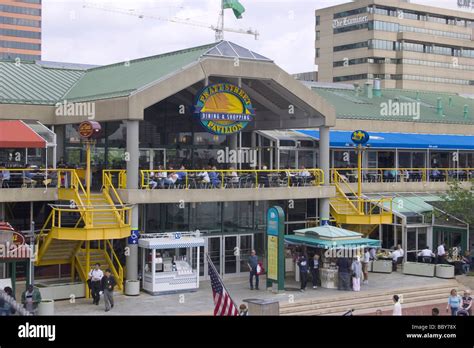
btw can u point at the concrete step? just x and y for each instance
(370, 301)
(375, 303)
(353, 295)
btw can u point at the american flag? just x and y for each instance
(224, 306)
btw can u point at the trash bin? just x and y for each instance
(46, 307)
(132, 287)
(263, 307)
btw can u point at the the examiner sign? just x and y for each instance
(345, 22)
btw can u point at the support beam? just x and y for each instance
(324, 211)
(264, 101)
(132, 183)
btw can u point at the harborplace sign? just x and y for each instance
(224, 108)
(345, 22)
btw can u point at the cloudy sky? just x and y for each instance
(72, 33)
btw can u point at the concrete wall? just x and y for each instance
(28, 195)
(226, 195)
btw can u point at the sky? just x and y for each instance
(75, 34)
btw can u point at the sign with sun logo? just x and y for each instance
(224, 108)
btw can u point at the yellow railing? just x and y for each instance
(108, 187)
(113, 261)
(58, 212)
(118, 177)
(191, 179)
(374, 175)
(38, 178)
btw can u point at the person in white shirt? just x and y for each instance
(441, 252)
(426, 254)
(399, 248)
(95, 276)
(397, 306)
(365, 266)
(395, 255)
(204, 175)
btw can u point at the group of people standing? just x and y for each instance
(309, 267)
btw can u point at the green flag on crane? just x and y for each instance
(235, 5)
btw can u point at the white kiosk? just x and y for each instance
(173, 270)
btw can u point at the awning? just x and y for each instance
(170, 243)
(408, 204)
(17, 134)
(400, 140)
(328, 244)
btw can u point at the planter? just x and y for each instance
(46, 307)
(62, 291)
(419, 269)
(382, 266)
(444, 271)
(132, 287)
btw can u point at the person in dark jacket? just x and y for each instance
(107, 284)
(314, 266)
(303, 265)
(344, 273)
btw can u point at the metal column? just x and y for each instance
(132, 183)
(324, 211)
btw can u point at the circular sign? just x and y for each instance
(360, 137)
(224, 108)
(89, 129)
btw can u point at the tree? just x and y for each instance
(459, 202)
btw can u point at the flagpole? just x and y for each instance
(209, 261)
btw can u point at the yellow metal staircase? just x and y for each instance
(71, 229)
(348, 208)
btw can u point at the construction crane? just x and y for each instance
(219, 29)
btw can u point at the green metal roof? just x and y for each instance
(37, 83)
(349, 105)
(31, 83)
(410, 204)
(327, 244)
(121, 79)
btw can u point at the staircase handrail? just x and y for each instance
(114, 260)
(337, 180)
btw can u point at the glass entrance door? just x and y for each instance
(214, 250)
(229, 254)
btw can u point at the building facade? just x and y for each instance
(147, 110)
(20, 29)
(405, 45)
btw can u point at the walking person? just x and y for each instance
(454, 302)
(365, 266)
(356, 274)
(107, 285)
(31, 298)
(314, 266)
(95, 276)
(253, 266)
(397, 306)
(303, 265)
